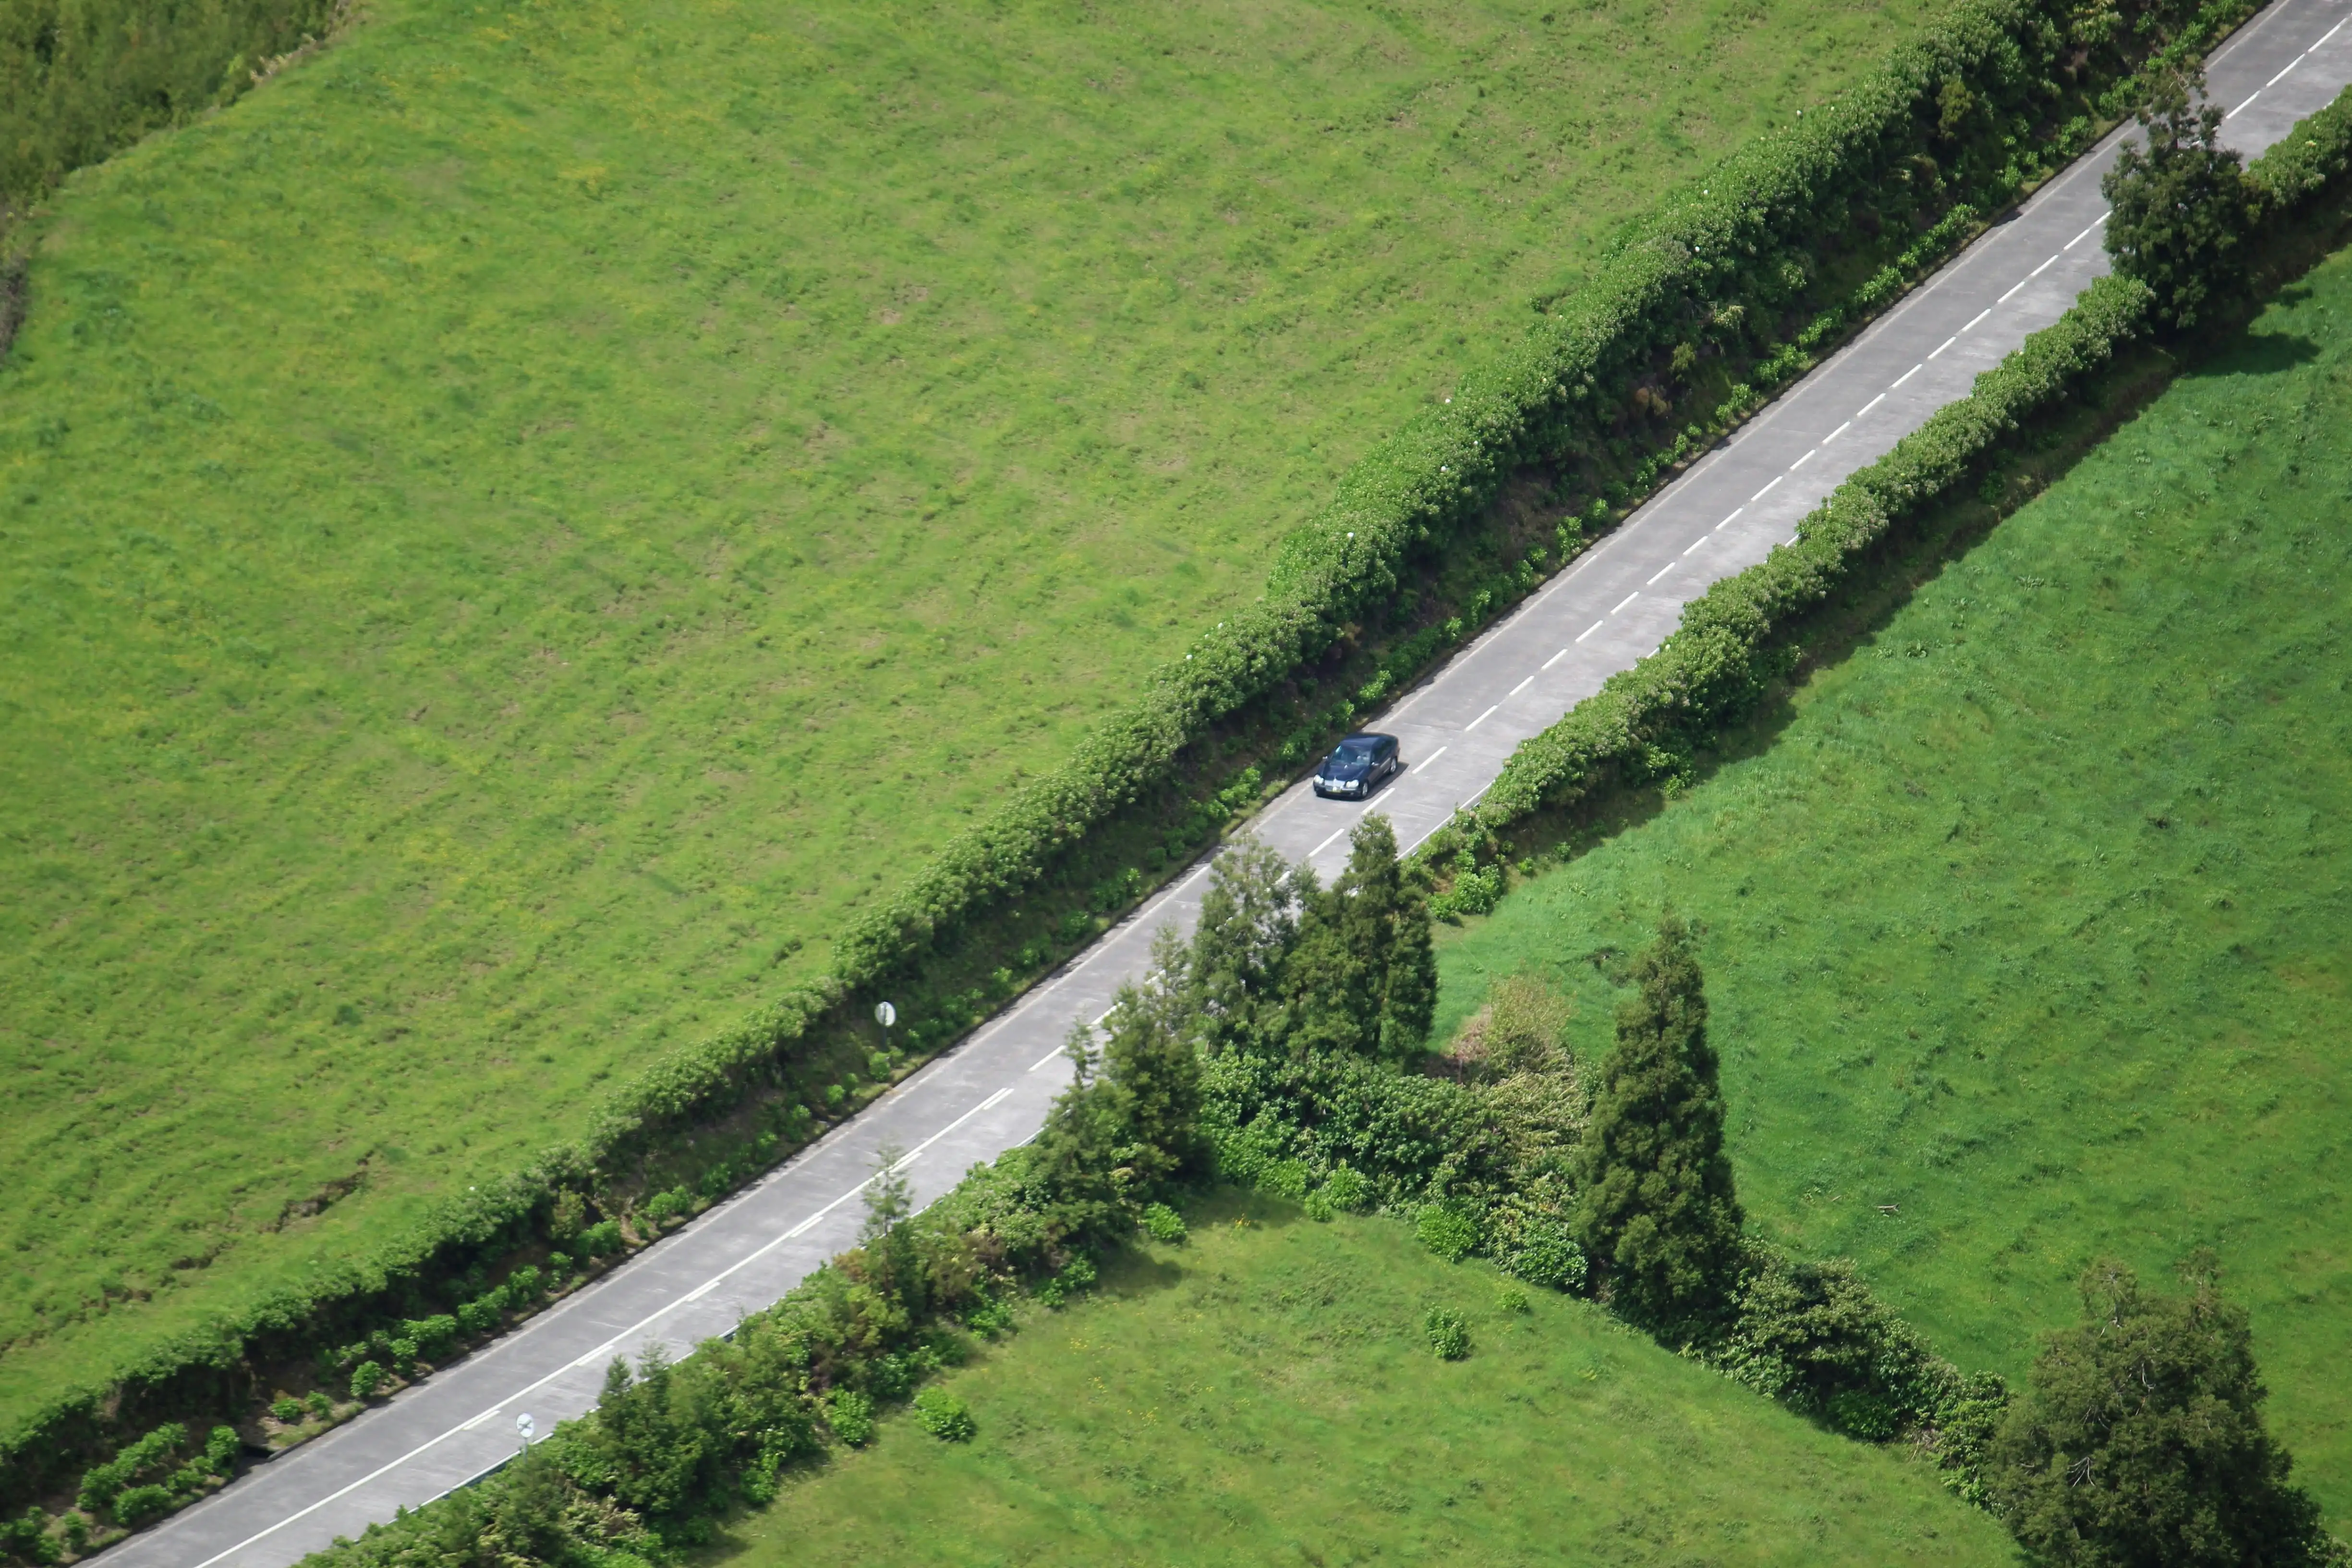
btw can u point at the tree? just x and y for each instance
(2141, 1443)
(891, 1259)
(1231, 974)
(1655, 1208)
(1362, 977)
(2181, 206)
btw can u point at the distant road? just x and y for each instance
(1611, 606)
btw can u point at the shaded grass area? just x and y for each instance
(1267, 1393)
(518, 528)
(2025, 920)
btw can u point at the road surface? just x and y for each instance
(1610, 607)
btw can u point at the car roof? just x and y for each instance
(1367, 737)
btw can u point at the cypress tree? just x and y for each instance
(1655, 1209)
(1363, 977)
(2141, 1443)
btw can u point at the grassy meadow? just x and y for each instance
(1266, 1393)
(2024, 924)
(512, 532)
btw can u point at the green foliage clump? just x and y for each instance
(944, 1416)
(850, 1415)
(1447, 1232)
(1448, 1332)
(2140, 1441)
(1654, 1203)
(366, 1378)
(1163, 1224)
(2181, 210)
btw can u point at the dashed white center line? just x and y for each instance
(2044, 267)
(2282, 70)
(1726, 521)
(2243, 107)
(1766, 490)
(1872, 404)
(2004, 298)
(1836, 433)
(1563, 653)
(1625, 601)
(1056, 1051)
(1662, 571)
(1522, 686)
(2086, 233)
(1588, 632)
(1434, 755)
(1325, 844)
(1908, 374)
(1981, 315)
(1480, 720)
(1947, 343)
(1696, 544)
(1807, 457)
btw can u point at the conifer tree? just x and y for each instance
(2141, 1444)
(1362, 977)
(1655, 1209)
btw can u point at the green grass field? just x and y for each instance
(1267, 1395)
(513, 531)
(2028, 920)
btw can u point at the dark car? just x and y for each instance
(1358, 764)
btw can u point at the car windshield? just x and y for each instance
(1353, 751)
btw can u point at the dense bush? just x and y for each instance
(80, 78)
(2179, 208)
(2141, 1443)
(1448, 1332)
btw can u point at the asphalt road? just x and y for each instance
(1604, 612)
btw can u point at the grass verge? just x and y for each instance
(1268, 1392)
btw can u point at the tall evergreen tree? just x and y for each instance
(1232, 973)
(1362, 977)
(1655, 1208)
(2181, 210)
(2141, 1443)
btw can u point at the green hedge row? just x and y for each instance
(1714, 267)
(1722, 655)
(80, 80)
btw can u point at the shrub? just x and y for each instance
(1545, 1254)
(1163, 1224)
(944, 1416)
(850, 1414)
(286, 1409)
(433, 1336)
(1347, 1191)
(525, 1285)
(27, 1538)
(319, 1403)
(404, 1356)
(1447, 1232)
(366, 1378)
(601, 1239)
(1511, 1299)
(558, 1268)
(1449, 1333)
(143, 1505)
(989, 1318)
(480, 1316)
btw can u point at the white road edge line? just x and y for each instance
(632, 1329)
(1581, 636)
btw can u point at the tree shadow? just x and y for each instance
(2259, 354)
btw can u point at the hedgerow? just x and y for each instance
(1897, 169)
